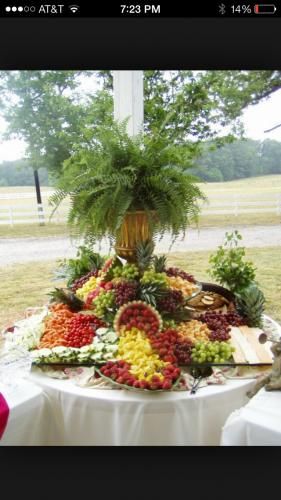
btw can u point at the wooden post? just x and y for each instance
(39, 199)
(128, 99)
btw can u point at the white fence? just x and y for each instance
(29, 214)
(237, 204)
(12, 213)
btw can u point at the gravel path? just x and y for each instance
(39, 249)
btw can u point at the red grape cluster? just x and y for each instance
(218, 325)
(164, 344)
(175, 271)
(81, 281)
(125, 291)
(183, 351)
(171, 302)
(234, 319)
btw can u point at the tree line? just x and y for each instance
(238, 160)
(19, 173)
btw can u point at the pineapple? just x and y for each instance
(144, 251)
(66, 296)
(250, 304)
(150, 293)
(160, 263)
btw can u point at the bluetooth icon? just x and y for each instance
(222, 9)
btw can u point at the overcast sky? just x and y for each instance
(256, 120)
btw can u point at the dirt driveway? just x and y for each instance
(40, 249)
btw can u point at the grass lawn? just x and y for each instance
(261, 185)
(27, 285)
(266, 219)
(24, 285)
(33, 230)
(227, 221)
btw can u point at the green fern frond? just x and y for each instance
(122, 173)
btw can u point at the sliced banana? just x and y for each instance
(207, 300)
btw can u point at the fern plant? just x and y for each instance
(71, 269)
(115, 173)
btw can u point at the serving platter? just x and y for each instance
(136, 389)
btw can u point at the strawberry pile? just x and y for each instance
(138, 314)
(119, 371)
(164, 344)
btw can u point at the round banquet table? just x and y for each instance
(106, 417)
(256, 424)
(31, 421)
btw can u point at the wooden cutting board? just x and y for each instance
(245, 340)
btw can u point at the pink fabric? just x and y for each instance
(4, 414)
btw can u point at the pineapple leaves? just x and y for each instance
(250, 304)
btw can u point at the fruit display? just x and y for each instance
(135, 322)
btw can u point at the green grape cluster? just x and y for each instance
(151, 277)
(104, 301)
(169, 323)
(211, 352)
(129, 271)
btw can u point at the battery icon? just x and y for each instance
(268, 8)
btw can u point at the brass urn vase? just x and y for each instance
(136, 228)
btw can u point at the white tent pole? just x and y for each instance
(128, 99)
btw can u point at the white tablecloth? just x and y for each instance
(31, 420)
(257, 424)
(119, 417)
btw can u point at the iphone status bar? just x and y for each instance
(141, 8)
